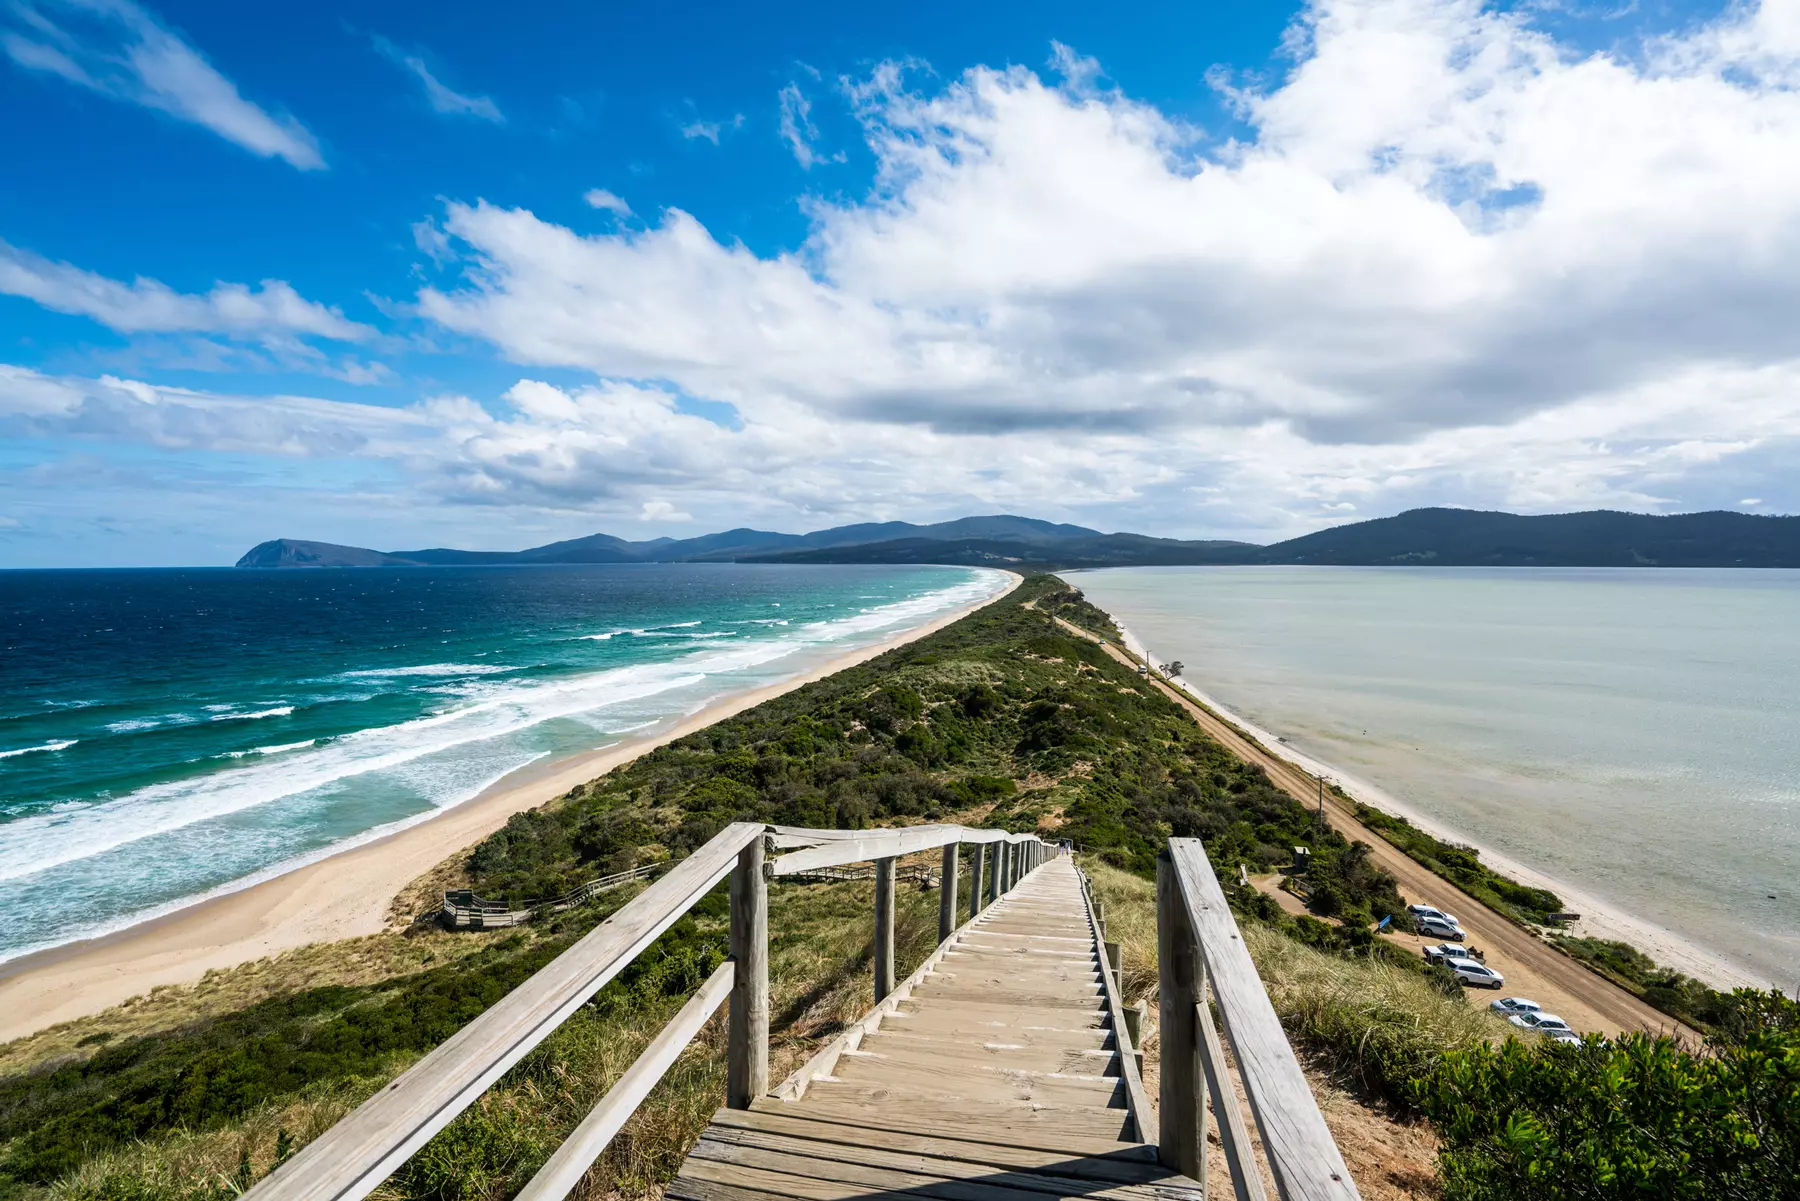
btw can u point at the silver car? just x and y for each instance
(1475, 975)
(1509, 1006)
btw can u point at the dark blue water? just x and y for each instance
(168, 733)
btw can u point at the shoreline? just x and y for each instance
(283, 912)
(1599, 919)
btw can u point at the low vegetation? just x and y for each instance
(1462, 866)
(1680, 996)
(1374, 1017)
(1639, 1116)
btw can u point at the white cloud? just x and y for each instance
(440, 96)
(662, 510)
(600, 198)
(147, 306)
(1444, 227)
(118, 49)
(711, 131)
(797, 129)
(1450, 261)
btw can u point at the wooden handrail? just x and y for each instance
(1200, 944)
(354, 1157)
(830, 848)
(462, 907)
(1136, 1099)
(570, 1162)
(351, 1159)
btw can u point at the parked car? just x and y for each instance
(1432, 911)
(1543, 1023)
(1446, 950)
(1439, 927)
(1475, 975)
(1563, 1036)
(1508, 1006)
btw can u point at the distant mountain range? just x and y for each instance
(1420, 537)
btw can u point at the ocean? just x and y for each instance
(1634, 733)
(169, 734)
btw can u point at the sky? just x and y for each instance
(402, 275)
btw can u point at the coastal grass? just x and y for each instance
(1374, 1023)
(352, 962)
(1674, 993)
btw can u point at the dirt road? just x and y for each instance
(1532, 967)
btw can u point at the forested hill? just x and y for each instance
(1603, 538)
(1419, 537)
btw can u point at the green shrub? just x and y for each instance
(1638, 1117)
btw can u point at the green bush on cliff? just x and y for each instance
(1637, 1117)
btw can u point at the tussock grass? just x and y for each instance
(202, 1165)
(1375, 1026)
(820, 980)
(355, 961)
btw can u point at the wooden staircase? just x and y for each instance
(996, 1075)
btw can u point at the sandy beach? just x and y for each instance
(346, 895)
(1598, 919)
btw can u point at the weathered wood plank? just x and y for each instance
(1136, 1099)
(1076, 1132)
(834, 848)
(947, 889)
(1181, 1120)
(893, 1171)
(1122, 1163)
(1304, 1158)
(1234, 1137)
(353, 1157)
(747, 1044)
(570, 1162)
(884, 928)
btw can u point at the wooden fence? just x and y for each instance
(354, 1157)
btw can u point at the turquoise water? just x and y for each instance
(1635, 733)
(166, 734)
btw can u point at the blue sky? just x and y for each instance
(408, 274)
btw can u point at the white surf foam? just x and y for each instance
(33, 844)
(270, 750)
(278, 711)
(55, 744)
(427, 669)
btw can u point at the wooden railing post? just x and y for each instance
(947, 893)
(1182, 1113)
(747, 1069)
(884, 927)
(998, 854)
(977, 861)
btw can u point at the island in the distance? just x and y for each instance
(1419, 537)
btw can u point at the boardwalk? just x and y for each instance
(993, 1073)
(998, 1076)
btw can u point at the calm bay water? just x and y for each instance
(168, 733)
(1635, 733)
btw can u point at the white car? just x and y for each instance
(1475, 975)
(1446, 950)
(1431, 911)
(1509, 1006)
(1439, 927)
(1543, 1023)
